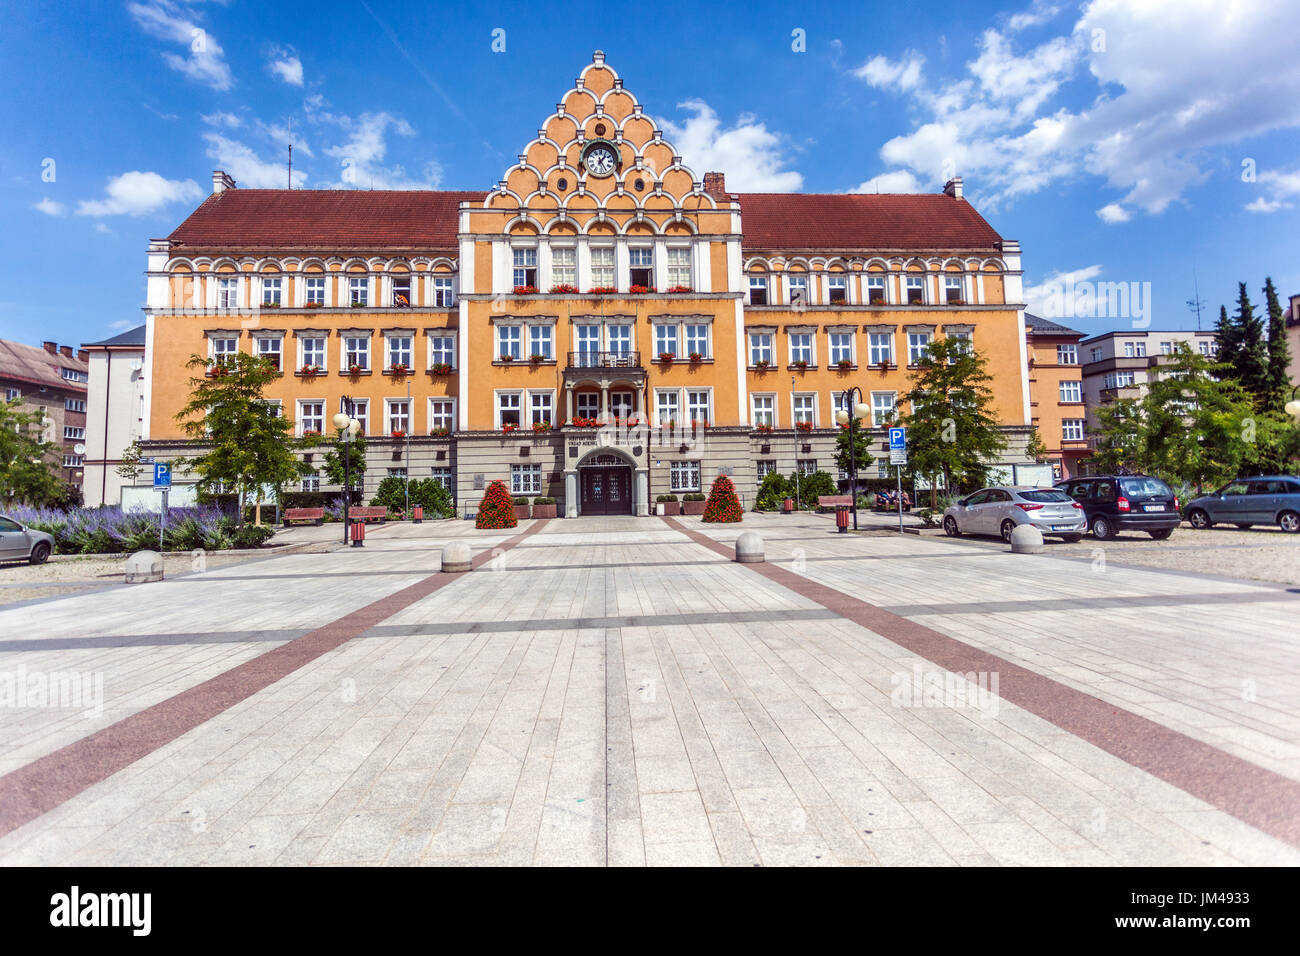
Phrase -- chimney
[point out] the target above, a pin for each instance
(953, 187)
(221, 181)
(51, 347)
(715, 184)
(65, 351)
(83, 355)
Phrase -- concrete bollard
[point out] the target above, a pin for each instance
(749, 548)
(1026, 539)
(143, 567)
(456, 557)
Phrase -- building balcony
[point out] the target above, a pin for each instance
(599, 360)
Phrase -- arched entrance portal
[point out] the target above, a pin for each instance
(605, 486)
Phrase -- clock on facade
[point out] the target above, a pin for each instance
(600, 158)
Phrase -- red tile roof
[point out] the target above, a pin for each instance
(837, 221)
(285, 219)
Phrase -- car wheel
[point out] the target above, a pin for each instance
(1008, 526)
(950, 527)
(1102, 528)
(1161, 534)
(40, 554)
(1071, 538)
(1289, 522)
(1198, 519)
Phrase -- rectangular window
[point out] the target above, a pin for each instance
(917, 345)
(764, 410)
(73, 461)
(74, 404)
(310, 483)
(356, 352)
(1072, 429)
(620, 340)
(74, 375)
(801, 349)
(805, 407)
(697, 340)
(588, 341)
(442, 350)
(1071, 391)
(1135, 349)
(399, 417)
(697, 406)
(444, 295)
(539, 342)
(876, 290)
(684, 476)
(766, 466)
(620, 405)
(952, 293)
(442, 414)
(915, 290)
(360, 411)
(962, 339)
(224, 349)
(508, 408)
(760, 348)
(841, 347)
(541, 408)
(882, 408)
(758, 290)
(1067, 355)
(666, 340)
(402, 292)
(641, 260)
(1096, 355)
(71, 432)
(399, 352)
(525, 480)
(313, 352)
(588, 405)
(311, 417)
(806, 466)
(564, 266)
(510, 342)
(227, 293)
(1166, 348)
(525, 267)
(13, 394)
(882, 347)
(442, 476)
(797, 287)
(270, 349)
(396, 472)
(839, 290)
(668, 406)
(679, 267)
(602, 267)
(1204, 347)
(315, 290)
(359, 291)
(271, 289)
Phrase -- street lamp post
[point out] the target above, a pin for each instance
(406, 478)
(1293, 406)
(348, 427)
(845, 417)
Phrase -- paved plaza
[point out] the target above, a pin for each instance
(618, 691)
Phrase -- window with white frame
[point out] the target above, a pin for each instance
(276, 406)
(801, 347)
(763, 410)
(74, 375)
(311, 417)
(444, 292)
(72, 432)
(668, 407)
(541, 408)
(525, 480)
(224, 349)
(806, 466)
(917, 345)
(758, 290)
(272, 289)
(74, 404)
(760, 348)
(402, 291)
(588, 404)
(841, 347)
(360, 411)
(1166, 348)
(359, 291)
(797, 288)
(271, 348)
(540, 342)
(313, 351)
(962, 340)
(1135, 349)
(876, 290)
(1071, 391)
(510, 342)
(882, 408)
(1067, 355)
(1117, 380)
(602, 267)
(679, 267)
(74, 461)
(839, 289)
(804, 407)
(915, 290)
(840, 403)
(564, 266)
(620, 339)
(684, 476)
(399, 416)
(698, 406)
(881, 345)
(227, 293)
(620, 405)
(641, 262)
(442, 476)
(525, 267)
(1203, 347)
(442, 414)
(697, 340)
(1072, 429)
(508, 408)
(310, 483)
(952, 292)
(315, 286)
(13, 394)
(442, 350)
(397, 472)
(666, 339)
(766, 466)
(587, 339)
(400, 352)
(356, 352)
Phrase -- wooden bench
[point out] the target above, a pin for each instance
(831, 501)
(314, 515)
(367, 513)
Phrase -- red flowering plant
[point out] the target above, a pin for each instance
(580, 422)
(564, 289)
(399, 433)
(677, 289)
(312, 304)
(537, 359)
(844, 364)
(509, 427)
(640, 289)
(441, 368)
(764, 429)
(540, 427)
(604, 290)
(525, 290)
(803, 426)
(497, 509)
(309, 371)
(696, 358)
(723, 505)
(506, 357)
(666, 358)
(763, 365)
(800, 364)
(398, 369)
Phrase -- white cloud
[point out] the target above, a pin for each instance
(174, 21)
(1040, 12)
(1113, 213)
(138, 194)
(286, 65)
(361, 156)
(100, 227)
(1054, 296)
(748, 152)
(1281, 186)
(49, 207)
(247, 168)
(884, 73)
(894, 181)
(221, 118)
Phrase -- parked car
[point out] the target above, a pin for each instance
(999, 510)
(20, 543)
(1115, 503)
(1264, 499)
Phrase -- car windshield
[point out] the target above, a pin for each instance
(1145, 488)
(1044, 495)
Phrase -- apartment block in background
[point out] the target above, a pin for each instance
(115, 412)
(1056, 393)
(52, 380)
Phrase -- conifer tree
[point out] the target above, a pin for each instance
(1228, 336)
(1250, 367)
(1278, 382)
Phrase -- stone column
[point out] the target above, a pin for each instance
(571, 493)
(604, 401)
(642, 498)
(568, 402)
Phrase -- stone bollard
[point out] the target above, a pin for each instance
(1026, 539)
(749, 548)
(456, 557)
(143, 567)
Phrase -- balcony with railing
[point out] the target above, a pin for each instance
(599, 360)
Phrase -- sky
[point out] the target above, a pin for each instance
(1152, 143)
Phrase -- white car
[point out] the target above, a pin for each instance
(999, 510)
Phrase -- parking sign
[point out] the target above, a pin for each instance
(162, 474)
(897, 438)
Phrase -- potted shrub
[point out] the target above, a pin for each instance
(667, 505)
(521, 507)
(544, 508)
(693, 504)
(844, 365)
(697, 358)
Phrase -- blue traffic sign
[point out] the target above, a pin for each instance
(898, 438)
(162, 474)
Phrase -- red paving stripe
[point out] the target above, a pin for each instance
(1254, 795)
(48, 781)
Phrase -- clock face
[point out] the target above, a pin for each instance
(600, 160)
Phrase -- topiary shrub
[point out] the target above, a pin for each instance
(723, 505)
(497, 509)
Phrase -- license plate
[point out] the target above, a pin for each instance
(1060, 527)
(1153, 507)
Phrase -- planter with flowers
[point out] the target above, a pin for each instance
(399, 370)
(398, 433)
(581, 422)
(764, 429)
(540, 427)
(496, 510)
(564, 289)
(525, 290)
(537, 359)
(679, 289)
(696, 358)
(505, 359)
(358, 304)
(800, 365)
(543, 507)
(844, 365)
(762, 365)
(604, 290)
(699, 424)
(693, 504)
(312, 304)
(640, 289)
(668, 505)
(441, 368)
(309, 372)
(509, 427)
(356, 371)
(666, 359)
(440, 432)
(803, 426)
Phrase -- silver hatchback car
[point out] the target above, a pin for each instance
(20, 543)
(999, 510)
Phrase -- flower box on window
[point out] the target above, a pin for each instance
(696, 358)
(604, 290)
(627, 422)
(441, 368)
(763, 429)
(270, 305)
(804, 426)
(525, 290)
(564, 289)
(217, 371)
(503, 357)
(399, 369)
(844, 365)
(440, 432)
(358, 304)
(509, 427)
(312, 305)
(398, 433)
(666, 358)
(540, 427)
(698, 424)
(309, 372)
(537, 359)
(800, 364)
(762, 365)
(354, 370)
(640, 289)
(581, 422)
(678, 289)
(310, 433)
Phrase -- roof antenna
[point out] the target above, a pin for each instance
(290, 152)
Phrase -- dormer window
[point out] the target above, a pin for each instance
(402, 292)
(758, 290)
(915, 290)
(839, 290)
(876, 290)
(271, 291)
(952, 290)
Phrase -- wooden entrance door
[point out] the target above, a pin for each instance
(606, 490)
